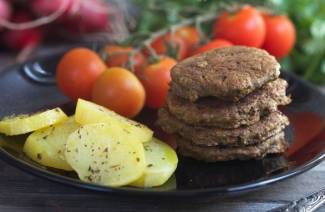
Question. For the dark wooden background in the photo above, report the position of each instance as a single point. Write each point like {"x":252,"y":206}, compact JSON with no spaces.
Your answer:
{"x":20,"y":191}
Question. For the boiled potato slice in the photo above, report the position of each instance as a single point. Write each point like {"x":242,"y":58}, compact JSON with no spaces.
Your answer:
{"x":161,"y":162}
{"x":22,"y":124}
{"x":89,"y":113}
{"x":47,"y":146}
{"x":104,"y":154}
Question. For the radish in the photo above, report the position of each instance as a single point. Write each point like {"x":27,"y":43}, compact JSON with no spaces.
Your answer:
{"x":78,"y":15}
{"x":48,"y":7}
{"x":5,"y":10}
{"x":21,"y":39}
{"x":88,"y":16}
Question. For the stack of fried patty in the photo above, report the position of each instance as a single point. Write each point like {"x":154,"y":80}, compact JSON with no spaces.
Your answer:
{"x":222,"y":105}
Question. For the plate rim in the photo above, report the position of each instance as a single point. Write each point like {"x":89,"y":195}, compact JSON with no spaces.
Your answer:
{"x":216,"y":191}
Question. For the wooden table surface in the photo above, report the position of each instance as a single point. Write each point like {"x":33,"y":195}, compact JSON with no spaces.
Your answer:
{"x":20,"y":191}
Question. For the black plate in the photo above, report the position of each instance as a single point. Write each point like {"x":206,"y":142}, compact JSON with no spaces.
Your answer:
{"x":21,"y":94}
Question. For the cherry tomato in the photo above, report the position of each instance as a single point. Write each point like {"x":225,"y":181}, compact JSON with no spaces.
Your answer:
{"x":245,"y":27}
{"x":120,"y":56}
{"x":280,"y":35}
{"x":119,"y":90}
{"x":190,"y":35}
{"x":172,"y":45}
{"x":216,"y":43}
{"x":156,"y":78}
{"x":77,"y":72}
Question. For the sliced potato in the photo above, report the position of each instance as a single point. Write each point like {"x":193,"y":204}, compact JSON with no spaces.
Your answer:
{"x":22,"y":124}
{"x":104,"y":154}
{"x":89,"y":113}
{"x":161,"y":162}
{"x":47,"y":146}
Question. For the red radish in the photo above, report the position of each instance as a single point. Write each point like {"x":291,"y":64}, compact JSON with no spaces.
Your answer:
{"x":20,"y":39}
{"x":48,"y":7}
{"x":88,"y":16}
{"x":5,"y":10}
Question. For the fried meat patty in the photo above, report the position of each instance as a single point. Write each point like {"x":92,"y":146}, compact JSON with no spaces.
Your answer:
{"x":228,"y":73}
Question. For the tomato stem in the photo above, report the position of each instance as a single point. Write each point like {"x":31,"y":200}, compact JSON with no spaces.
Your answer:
{"x":146,"y":44}
{"x":186,"y":22}
{"x":151,"y":50}
{"x":130,"y":64}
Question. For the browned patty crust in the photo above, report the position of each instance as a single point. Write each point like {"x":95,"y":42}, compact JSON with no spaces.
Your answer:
{"x":270,"y":125}
{"x":218,"y":113}
{"x":226,"y":73}
{"x":273,"y":145}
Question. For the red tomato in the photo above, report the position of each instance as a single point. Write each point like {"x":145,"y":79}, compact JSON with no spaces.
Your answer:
{"x":119,"y":90}
{"x":190,"y":35}
{"x":245,"y":27}
{"x":170,"y":45}
{"x":280,"y":35}
{"x":77,"y":72}
{"x":217,"y":43}
{"x":156,"y":78}
{"x":120,"y":56}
